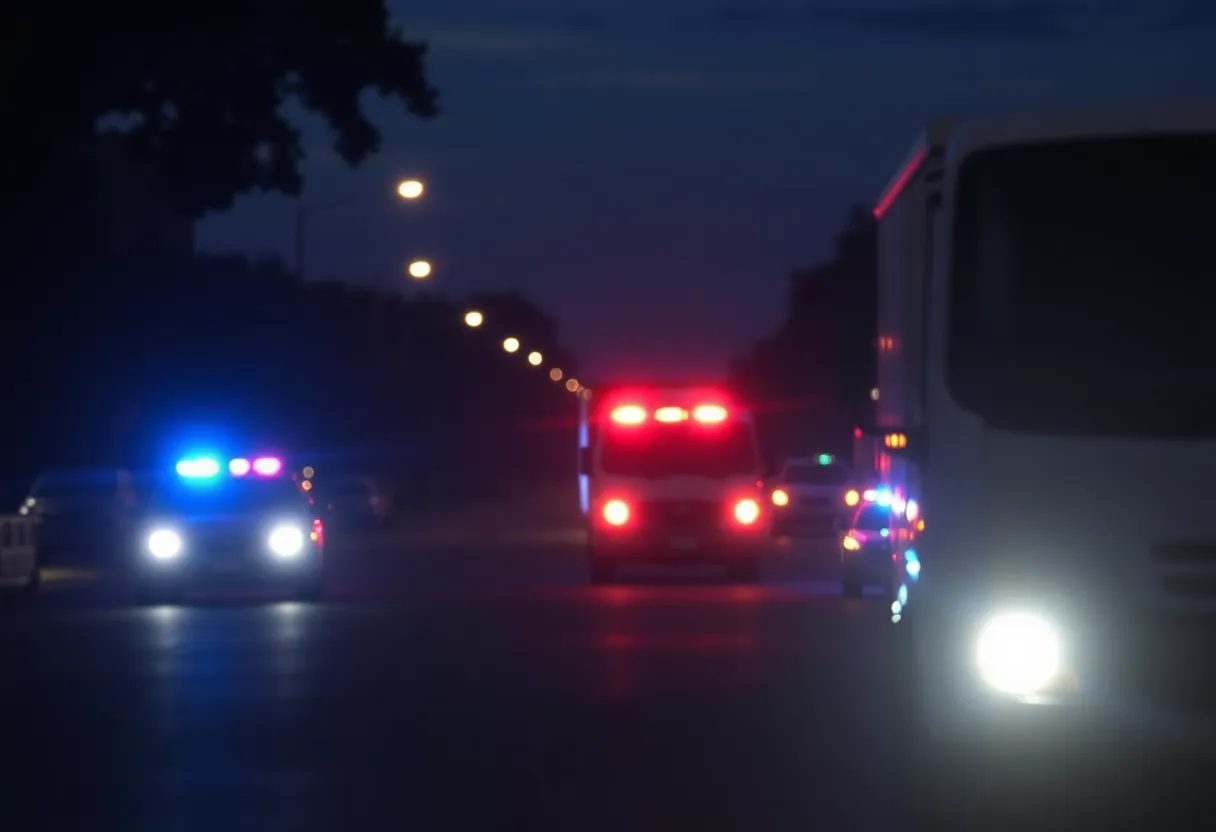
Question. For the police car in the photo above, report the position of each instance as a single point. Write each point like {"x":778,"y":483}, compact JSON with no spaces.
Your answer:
{"x":872,"y":546}
{"x":221,"y":520}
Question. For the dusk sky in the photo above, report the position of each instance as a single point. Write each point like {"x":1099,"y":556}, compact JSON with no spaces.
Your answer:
{"x":650,"y":172}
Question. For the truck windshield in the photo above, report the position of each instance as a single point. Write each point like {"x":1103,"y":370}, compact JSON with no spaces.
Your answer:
{"x":727,"y":450}
{"x":1077,"y":301}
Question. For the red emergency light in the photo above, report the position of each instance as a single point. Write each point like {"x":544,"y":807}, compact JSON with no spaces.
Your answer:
{"x":743,"y":513}
{"x":629,"y":414}
{"x":635,"y":414}
{"x":616,"y":512}
{"x":709,"y":414}
{"x":746,"y":512}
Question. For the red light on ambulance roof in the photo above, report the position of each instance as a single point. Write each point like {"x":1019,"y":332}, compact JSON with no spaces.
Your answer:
{"x":670,"y":414}
{"x":629,"y":414}
{"x":709,"y":413}
{"x":267,"y":466}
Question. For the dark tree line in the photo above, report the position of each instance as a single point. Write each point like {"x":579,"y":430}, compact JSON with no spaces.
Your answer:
{"x":106,"y":357}
{"x":137,"y":355}
{"x":203,"y":97}
{"x":811,"y":379}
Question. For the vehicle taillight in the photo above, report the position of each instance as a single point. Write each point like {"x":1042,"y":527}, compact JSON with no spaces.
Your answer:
{"x":709,"y":413}
{"x":747,"y":511}
{"x":851,"y":498}
{"x":318,"y":532}
{"x":670,"y":414}
{"x":780,"y":497}
{"x":616,"y":512}
{"x":629,"y":414}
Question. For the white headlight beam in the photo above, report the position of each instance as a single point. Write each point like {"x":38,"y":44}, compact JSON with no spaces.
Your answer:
{"x":286,"y":540}
{"x":164,"y":544}
{"x":1018,"y":653}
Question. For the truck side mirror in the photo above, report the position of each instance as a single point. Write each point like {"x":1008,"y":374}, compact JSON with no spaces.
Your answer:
{"x":584,"y":461}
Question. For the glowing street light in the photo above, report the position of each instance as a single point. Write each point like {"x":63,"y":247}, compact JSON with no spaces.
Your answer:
{"x":510,"y":344}
{"x":420,"y":269}
{"x":555,"y":374}
{"x":587,"y":394}
{"x":534,"y":358}
{"x":410,"y":189}
{"x":572,"y":385}
{"x":473,"y":318}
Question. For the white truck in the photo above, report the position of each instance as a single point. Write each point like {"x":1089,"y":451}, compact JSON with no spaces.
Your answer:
{"x":671,"y":475}
{"x":1048,"y":405}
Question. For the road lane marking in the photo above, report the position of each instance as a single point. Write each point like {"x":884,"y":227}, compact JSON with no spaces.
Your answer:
{"x":69,"y":575}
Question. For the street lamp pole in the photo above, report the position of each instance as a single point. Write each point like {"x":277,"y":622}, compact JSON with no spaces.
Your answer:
{"x":408,"y":190}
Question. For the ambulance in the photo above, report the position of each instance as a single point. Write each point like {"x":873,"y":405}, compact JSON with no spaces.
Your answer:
{"x":671,"y":475}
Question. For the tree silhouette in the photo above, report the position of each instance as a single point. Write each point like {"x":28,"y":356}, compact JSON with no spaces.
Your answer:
{"x":811,"y":379}
{"x":204,"y":96}
{"x":246,"y":344}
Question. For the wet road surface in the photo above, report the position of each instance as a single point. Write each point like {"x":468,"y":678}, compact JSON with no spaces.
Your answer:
{"x":452,"y":687}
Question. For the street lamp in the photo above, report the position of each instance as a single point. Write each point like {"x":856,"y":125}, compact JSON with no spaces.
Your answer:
{"x":420,"y":269}
{"x":572,"y":385}
{"x":511,"y":344}
{"x":534,"y":358}
{"x":555,"y":374}
{"x":410,"y":189}
{"x":473,"y":318}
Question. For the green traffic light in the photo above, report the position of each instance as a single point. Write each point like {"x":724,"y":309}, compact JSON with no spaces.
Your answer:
{"x":826,"y":459}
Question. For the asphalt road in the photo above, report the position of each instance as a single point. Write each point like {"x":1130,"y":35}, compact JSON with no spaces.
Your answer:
{"x":451,"y":684}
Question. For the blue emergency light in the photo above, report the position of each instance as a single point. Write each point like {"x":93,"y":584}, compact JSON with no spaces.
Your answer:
{"x":206,"y":467}
{"x":198,"y":467}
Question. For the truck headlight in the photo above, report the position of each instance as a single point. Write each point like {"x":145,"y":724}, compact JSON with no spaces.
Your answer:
{"x":164,"y":544}
{"x":1018,"y":653}
{"x":286,"y":541}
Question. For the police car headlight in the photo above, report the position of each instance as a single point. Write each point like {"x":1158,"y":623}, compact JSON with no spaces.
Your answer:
{"x":164,"y":544}
{"x":1018,"y":653}
{"x":286,"y":541}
